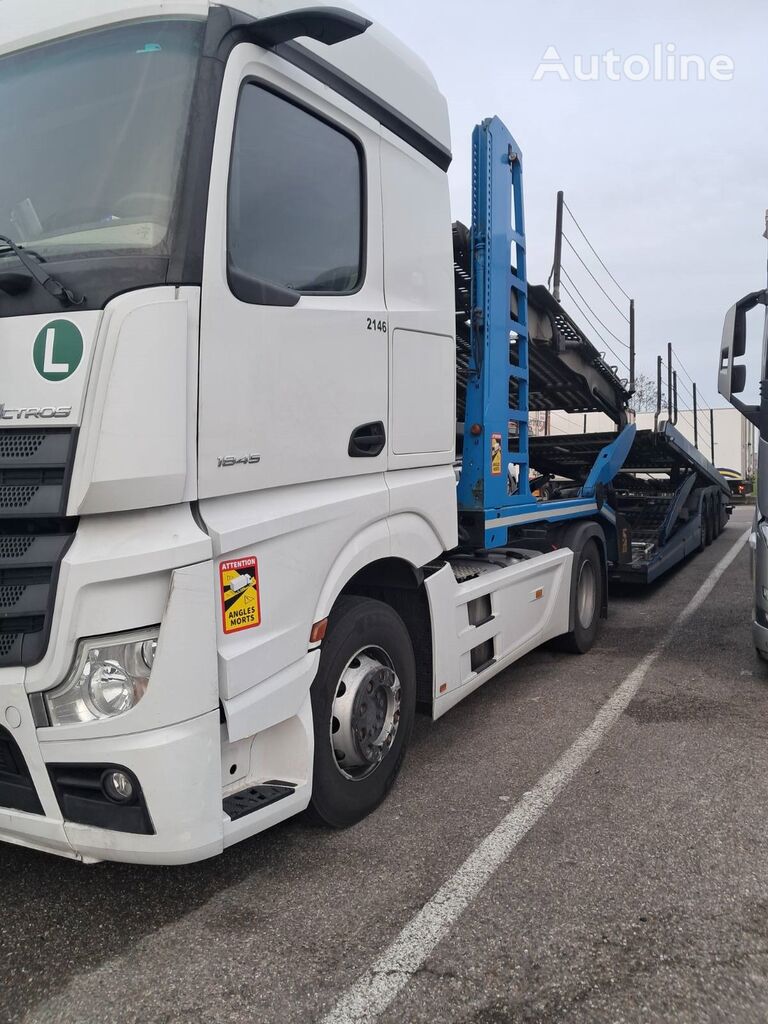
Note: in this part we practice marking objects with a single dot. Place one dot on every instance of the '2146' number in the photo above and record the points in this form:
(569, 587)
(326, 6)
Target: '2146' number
(377, 325)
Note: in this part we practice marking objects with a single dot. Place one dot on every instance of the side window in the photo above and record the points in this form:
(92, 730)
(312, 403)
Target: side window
(295, 203)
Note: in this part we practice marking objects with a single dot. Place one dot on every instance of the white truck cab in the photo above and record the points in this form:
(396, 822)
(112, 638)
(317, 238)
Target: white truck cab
(228, 427)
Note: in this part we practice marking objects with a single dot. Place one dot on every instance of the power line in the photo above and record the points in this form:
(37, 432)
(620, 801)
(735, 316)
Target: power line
(701, 411)
(581, 230)
(594, 314)
(597, 332)
(560, 416)
(572, 247)
(619, 359)
(683, 389)
(698, 392)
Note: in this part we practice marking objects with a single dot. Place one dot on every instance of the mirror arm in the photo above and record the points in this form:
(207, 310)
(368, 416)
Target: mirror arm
(750, 412)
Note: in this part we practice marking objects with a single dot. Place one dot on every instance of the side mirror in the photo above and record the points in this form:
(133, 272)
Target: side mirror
(732, 379)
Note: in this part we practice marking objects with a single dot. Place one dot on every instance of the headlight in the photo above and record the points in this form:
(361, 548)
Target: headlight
(110, 675)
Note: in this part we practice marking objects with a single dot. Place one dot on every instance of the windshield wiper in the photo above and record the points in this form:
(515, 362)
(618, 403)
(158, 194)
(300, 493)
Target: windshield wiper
(51, 285)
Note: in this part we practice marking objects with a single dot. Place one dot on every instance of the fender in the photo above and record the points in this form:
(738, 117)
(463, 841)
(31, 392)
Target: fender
(409, 537)
(575, 538)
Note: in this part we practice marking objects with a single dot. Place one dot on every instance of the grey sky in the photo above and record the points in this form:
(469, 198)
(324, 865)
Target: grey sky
(669, 179)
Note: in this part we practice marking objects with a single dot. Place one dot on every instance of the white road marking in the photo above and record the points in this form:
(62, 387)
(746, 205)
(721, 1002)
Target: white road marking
(370, 996)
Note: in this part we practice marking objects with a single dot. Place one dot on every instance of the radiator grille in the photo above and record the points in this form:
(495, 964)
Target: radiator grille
(20, 444)
(35, 467)
(7, 641)
(14, 547)
(18, 496)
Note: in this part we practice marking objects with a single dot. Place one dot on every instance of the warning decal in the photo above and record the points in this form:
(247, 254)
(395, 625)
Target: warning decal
(240, 604)
(495, 454)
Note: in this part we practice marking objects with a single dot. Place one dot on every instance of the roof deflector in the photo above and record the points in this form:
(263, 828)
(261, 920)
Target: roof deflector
(329, 25)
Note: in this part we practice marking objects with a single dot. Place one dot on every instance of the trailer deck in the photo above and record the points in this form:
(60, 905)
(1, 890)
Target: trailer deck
(660, 495)
(654, 451)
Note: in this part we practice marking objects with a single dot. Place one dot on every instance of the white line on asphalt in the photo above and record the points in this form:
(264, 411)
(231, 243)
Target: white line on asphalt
(376, 989)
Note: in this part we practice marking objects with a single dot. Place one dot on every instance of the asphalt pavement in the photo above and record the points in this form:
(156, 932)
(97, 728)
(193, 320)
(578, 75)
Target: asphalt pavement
(639, 894)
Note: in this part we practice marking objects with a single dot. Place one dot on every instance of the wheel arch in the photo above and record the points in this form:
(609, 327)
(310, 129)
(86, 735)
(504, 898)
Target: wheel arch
(394, 574)
(576, 536)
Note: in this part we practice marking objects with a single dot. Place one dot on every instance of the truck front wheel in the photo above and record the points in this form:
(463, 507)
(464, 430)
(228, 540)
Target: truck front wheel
(363, 707)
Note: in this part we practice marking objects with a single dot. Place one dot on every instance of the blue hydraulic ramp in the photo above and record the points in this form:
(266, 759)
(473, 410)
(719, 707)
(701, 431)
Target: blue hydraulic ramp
(494, 489)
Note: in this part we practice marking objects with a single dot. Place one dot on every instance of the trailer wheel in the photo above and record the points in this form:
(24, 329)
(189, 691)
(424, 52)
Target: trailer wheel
(363, 707)
(587, 601)
(702, 528)
(718, 516)
(710, 521)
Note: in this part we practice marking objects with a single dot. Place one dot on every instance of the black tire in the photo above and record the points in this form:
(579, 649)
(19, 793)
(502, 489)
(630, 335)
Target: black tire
(586, 620)
(358, 626)
(719, 524)
(710, 522)
(702, 527)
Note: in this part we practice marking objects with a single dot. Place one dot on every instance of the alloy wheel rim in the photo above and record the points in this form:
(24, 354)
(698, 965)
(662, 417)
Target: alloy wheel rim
(365, 715)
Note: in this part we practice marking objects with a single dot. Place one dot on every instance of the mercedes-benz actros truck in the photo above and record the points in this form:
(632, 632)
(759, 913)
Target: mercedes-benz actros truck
(236, 545)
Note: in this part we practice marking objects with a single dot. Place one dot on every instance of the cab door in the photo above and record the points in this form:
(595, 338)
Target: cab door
(294, 345)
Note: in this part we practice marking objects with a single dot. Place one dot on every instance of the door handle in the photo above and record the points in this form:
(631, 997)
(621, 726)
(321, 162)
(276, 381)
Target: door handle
(367, 441)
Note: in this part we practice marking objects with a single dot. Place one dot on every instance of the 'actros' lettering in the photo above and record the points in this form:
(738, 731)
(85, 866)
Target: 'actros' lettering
(47, 412)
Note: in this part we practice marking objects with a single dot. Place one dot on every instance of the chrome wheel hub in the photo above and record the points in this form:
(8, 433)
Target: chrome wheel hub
(366, 713)
(586, 594)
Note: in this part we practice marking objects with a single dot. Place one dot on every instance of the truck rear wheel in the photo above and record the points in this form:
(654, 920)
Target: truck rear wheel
(363, 707)
(587, 600)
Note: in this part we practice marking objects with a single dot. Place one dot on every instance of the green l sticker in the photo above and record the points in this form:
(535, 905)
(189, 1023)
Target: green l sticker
(58, 350)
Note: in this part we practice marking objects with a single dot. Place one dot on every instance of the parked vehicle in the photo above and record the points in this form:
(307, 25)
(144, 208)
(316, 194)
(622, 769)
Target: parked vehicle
(732, 382)
(233, 554)
(740, 488)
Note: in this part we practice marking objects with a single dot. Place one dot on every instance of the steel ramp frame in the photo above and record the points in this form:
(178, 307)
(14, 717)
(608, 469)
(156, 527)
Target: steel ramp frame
(496, 433)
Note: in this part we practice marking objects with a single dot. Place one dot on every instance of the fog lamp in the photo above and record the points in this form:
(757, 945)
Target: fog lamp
(118, 786)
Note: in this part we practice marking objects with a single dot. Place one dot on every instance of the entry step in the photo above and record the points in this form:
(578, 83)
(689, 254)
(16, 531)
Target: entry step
(247, 801)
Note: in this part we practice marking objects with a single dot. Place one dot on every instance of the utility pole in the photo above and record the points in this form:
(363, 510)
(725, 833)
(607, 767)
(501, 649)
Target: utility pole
(669, 380)
(558, 263)
(695, 420)
(712, 434)
(631, 344)
(674, 397)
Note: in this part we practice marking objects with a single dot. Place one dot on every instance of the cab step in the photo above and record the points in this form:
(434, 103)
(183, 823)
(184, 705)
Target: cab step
(255, 798)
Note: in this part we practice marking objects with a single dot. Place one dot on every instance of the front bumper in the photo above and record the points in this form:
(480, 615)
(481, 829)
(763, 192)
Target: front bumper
(177, 766)
(125, 572)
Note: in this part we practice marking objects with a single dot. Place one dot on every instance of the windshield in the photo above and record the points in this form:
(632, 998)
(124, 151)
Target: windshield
(92, 133)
